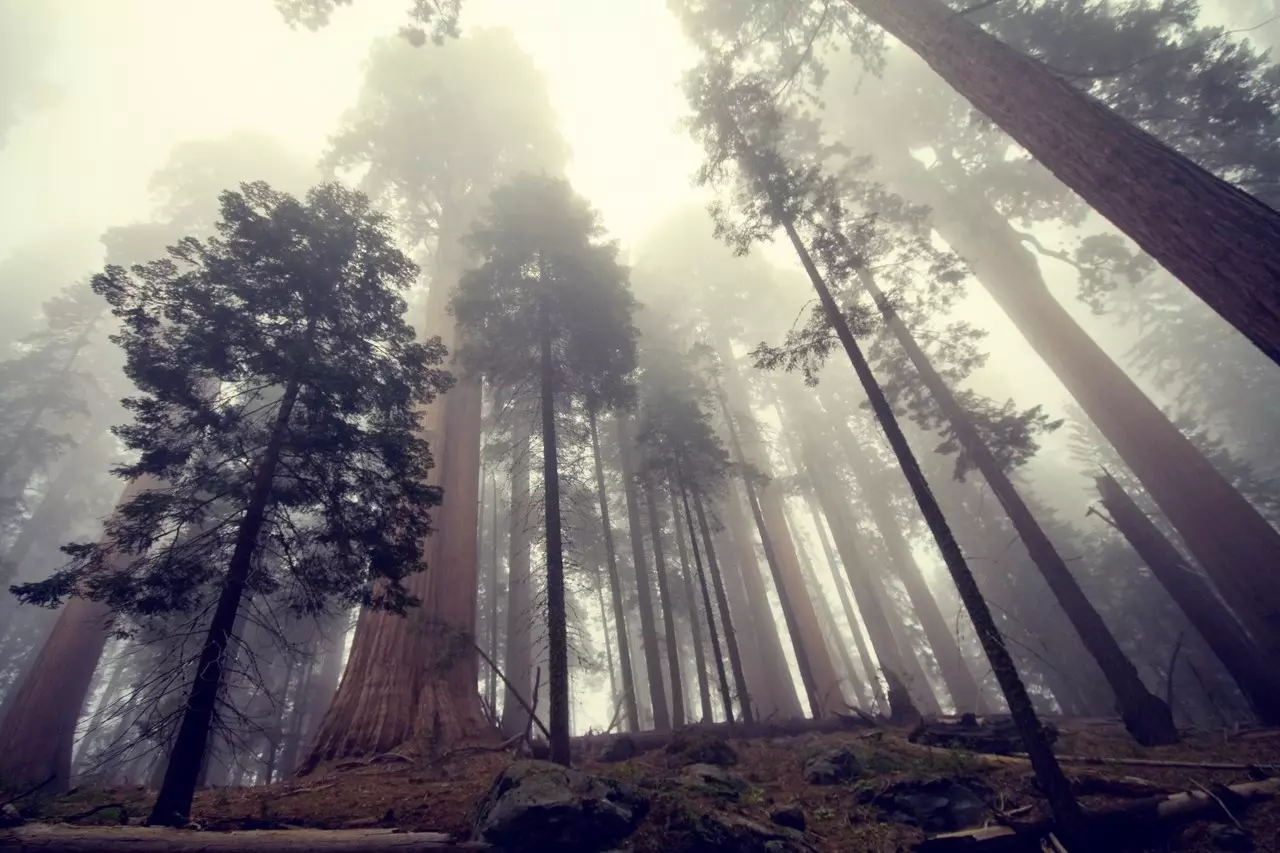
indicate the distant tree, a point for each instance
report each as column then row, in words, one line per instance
column 437, row 17
column 549, row 309
column 276, row 421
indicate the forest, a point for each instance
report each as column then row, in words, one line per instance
column 772, row 425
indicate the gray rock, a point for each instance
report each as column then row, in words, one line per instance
column 791, row 816
column 619, row 749
column 9, row 816
column 714, row 780
column 832, row 766
column 938, row 805
column 698, row 748
column 1226, row 837
column 536, row 806
column 726, row 833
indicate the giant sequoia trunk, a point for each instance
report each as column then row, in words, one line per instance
column 615, row 583
column 1217, row 239
column 1258, row 680
column 1223, row 531
column 664, row 602
column 413, row 680
column 1146, row 717
column 644, row 592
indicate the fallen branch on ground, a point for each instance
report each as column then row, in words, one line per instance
column 52, row 838
column 514, row 692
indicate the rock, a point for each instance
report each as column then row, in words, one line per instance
column 831, row 766
column 791, row 816
column 938, row 805
column 716, row 781
column 9, row 817
column 725, row 833
column 692, row 748
column 1225, row 837
column 997, row 735
column 619, row 749
column 535, row 805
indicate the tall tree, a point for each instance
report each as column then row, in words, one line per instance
column 548, row 308
column 300, row 297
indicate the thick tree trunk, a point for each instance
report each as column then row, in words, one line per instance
column 664, row 602
column 557, row 622
column 173, row 801
column 773, row 692
column 1224, row 532
column 413, row 680
column 1053, row 782
column 1259, row 681
column 518, row 661
column 695, row 626
column 644, row 592
column 615, row 583
column 725, row 694
column 1214, row 237
column 1146, row 717
column 726, row 613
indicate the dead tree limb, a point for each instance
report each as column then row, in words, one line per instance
column 54, row 838
column 516, row 693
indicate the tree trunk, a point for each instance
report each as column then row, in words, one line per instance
column 1053, row 782
column 695, row 627
column 664, row 601
column 1224, row 532
column 726, row 614
column 644, row 592
column 615, row 583
column 491, row 679
column 1213, row 236
column 1256, row 679
column 1146, row 717
column 557, row 623
column 725, row 695
column 770, row 498
column 173, row 801
column 93, row 731
column 961, row 684
column 518, row 661
column 608, row 644
column 774, row 692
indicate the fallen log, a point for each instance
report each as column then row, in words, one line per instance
column 1110, row 828
column 60, row 838
column 1135, row 762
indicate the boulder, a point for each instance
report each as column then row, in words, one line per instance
column 831, row 766
column 726, row 833
column 695, row 748
column 791, row 816
column 936, row 805
column 535, row 806
column 713, row 780
column 619, row 749
column 9, row 816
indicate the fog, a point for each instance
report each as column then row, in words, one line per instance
column 758, row 520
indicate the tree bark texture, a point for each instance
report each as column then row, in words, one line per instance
column 1217, row 239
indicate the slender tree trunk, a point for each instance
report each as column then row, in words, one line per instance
column 664, row 601
column 1259, row 681
column 1224, row 532
column 615, row 582
column 961, row 684
column 695, row 628
column 644, row 592
column 93, row 732
column 725, row 695
column 1213, row 236
column 173, row 802
column 518, row 661
column 491, row 680
column 726, row 613
column 812, row 690
column 557, row 623
column 1146, row 717
column 298, row 717
column 608, row 644
column 1048, row 772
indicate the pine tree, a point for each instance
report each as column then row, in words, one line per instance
column 548, row 309
column 277, row 375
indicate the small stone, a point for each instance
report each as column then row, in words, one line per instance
column 619, row 749
column 1225, row 837
column 832, row 766
column 791, row 816
column 9, row 816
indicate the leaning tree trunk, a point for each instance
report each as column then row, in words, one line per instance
column 1224, row 532
column 726, row 615
column 1217, row 239
column 173, row 802
column 1259, row 681
column 557, row 624
column 664, row 602
column 413, row 680
column 1053, row 782
column 725, row 694
column 695, row 626
column 1146, row 717
column 644, row 592
column 518, row 661
column 615, row 583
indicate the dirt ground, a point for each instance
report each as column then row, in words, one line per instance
column 439, row 794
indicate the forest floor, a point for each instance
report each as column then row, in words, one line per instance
column 898, row 794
